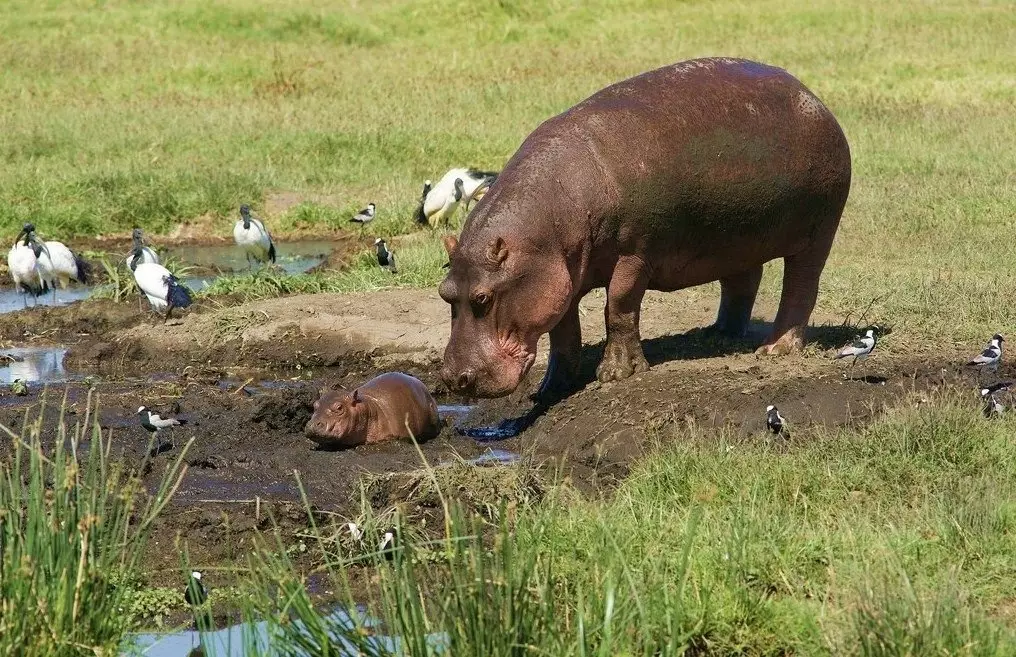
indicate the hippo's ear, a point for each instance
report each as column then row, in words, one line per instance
column 356, row 397
column 451, row 243
column 497, row 251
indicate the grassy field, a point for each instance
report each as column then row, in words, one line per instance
column 894, row 540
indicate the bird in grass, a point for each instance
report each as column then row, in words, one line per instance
column 251, row 235
column 991, row 357
column 421, row 216
column 59, row 265
column 992, row 407
column 153, row 423
column 385, row 257
column 389, row 541
column 443, row 212
column 860, row 348
column 364, row 216
column 197, row 596
column 161, row 287
column 776, row 423
column 467, row 184
column 354, row 531
column 23, row 265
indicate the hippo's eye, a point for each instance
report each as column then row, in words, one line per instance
column 480, row 301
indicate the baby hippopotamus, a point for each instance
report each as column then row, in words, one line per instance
column 376, row 411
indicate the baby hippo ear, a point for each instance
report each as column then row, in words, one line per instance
column 356, row 397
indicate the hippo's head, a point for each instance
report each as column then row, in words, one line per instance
column 505, row 292
column 337, row 419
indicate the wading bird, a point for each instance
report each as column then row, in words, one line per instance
column 139, row 252
column 162, row 288
column 443, row 212
column 992, row 407
column 385, row 257
column 364, row 216
column 859, row 349
column 775, row 422
column 154, row 424
column 59, row 265
column 196, row 596
column 991, row 357
column 23, row 265
column 252, row 236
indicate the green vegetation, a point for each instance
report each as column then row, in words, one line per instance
column 73, row 529
column 893, row 540
column 130, row 113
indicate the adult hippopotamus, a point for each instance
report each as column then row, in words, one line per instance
column 691, row 173
column 388, row 407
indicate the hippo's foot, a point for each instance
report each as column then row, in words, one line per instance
column 789, row 342
column 620, row 361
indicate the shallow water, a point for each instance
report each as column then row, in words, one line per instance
column 35, row 365
column 292, row 257
column 231, row 641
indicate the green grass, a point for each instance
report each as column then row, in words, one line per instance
column 131, row 113
column 73, row 529
column 895, row 540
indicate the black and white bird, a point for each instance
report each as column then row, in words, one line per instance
column 440, row 203
column 388, row 543
column 195, row 593
column 860, row 348
column 354, row 531
column 991, row 357
column 59, row 265
column 776, row 423
column 421, row 216
column 161, row 287
column 23, row 265
column 139, row 252
column 153, row 423
column 364, row 216
column 385, row 256
column 251, row 235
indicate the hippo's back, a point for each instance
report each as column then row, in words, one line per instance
column 401, row 397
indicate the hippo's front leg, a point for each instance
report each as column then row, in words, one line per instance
column 565, row 356
column 623, row 355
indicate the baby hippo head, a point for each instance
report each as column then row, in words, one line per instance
column 336, row 421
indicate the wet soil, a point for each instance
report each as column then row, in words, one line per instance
column 245, row 377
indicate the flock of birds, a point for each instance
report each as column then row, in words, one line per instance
column 39, row 266
column 989, row 359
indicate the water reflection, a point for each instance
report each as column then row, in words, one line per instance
column 34, row 364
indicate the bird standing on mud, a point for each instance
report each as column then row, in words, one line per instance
column 385, row 257
column 252, row 236
column 991, row 357
column 860, row 349
column 992, row 407
column 776, row 423
column 364, row 216
column 23, row 265
column 153, row 424
column 161, row 287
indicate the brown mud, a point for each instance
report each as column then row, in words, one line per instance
column 245, row 377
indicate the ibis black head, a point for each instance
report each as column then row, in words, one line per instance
column 136, row 234
column 245, row 211
column 459, row 190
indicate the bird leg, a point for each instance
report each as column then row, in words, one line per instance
column 169, row 311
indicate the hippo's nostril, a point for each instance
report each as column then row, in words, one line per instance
column 466, row 380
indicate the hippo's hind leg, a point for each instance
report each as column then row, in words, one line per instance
column 737, row 298
column 801, row 274
column 623, row 354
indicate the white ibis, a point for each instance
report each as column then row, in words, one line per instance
column 252, row 236
column 139, row 252
column 59, row 265
column 162, row 288
column 440, row 202
column 23, row 265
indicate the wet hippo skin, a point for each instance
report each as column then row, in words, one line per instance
column 691, row 173
column 388, row 407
